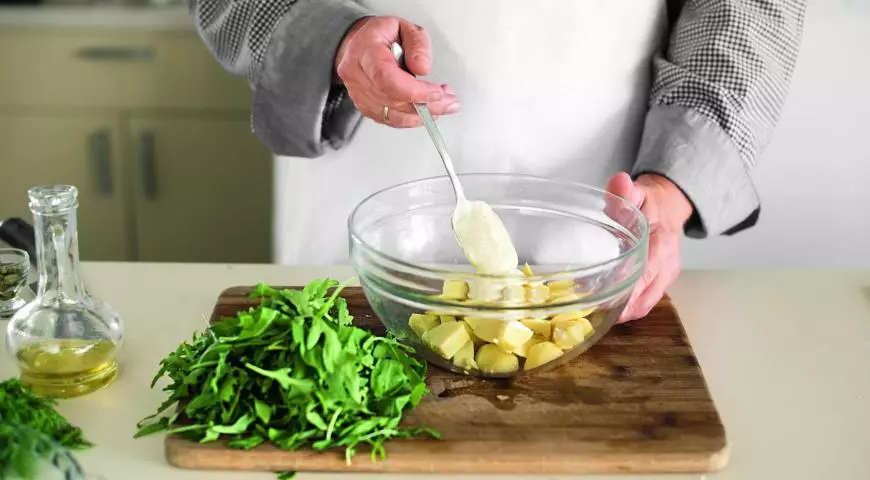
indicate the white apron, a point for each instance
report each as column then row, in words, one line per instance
column 553, row 88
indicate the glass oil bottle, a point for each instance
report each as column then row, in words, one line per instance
column 65, row 340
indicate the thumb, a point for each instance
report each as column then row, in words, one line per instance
column 418, row 47
column 621, row 185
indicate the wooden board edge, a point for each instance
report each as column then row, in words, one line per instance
column 187, row 455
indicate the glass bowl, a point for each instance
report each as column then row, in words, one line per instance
column 581, row 251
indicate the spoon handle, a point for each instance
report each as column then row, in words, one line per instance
column 432, row 128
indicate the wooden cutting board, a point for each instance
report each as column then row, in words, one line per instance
column 635, row 402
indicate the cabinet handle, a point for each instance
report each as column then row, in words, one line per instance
column 101, row 156
column 147, row 167
column 116, row 53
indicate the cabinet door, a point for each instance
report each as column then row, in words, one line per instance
column 203, row 190
column 78, row 150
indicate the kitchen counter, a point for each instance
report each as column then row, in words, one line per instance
column 171, row 17
column 786, row 355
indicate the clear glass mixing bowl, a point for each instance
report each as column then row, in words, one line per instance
column 585, row 249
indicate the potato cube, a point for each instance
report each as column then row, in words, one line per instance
column 564, row 317
column 560, row 288
column 507, row 334
column 527, row 271
column 492, row 359
column 446, row 339
column 464, row 358
column 515, row 294
column 541, row 326
column 423, row 323
column 477, row 341
column 523, row 349
column 485, row 290
column 569, row 330
column 454, row 290
column 540, row 354
column 572, row 297
column 537, row 293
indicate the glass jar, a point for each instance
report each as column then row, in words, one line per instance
column 65, row 340
column 14, row 268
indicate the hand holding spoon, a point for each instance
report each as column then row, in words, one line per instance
column 478, row 229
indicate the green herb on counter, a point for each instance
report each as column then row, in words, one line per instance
column 31, row 431
column 293, row 372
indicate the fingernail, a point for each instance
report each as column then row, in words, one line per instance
column 453, row 107
column 420, row 58
column 435, row 96
column 447, row 89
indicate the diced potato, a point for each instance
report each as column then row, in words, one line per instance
column 487, row 329
column 527, row 271
column 472, row 321
column 537, row 293
column 514, row 335
column 443, row 316
column 446, row 339
column 454, row 290
column 485, row 289
column 572, row 297
column 564, row 298
column 564, row 317
column 423, row 323
column 540, row 354
column 492, row 359
column 477, row 341
column 541, row 326
column 560, row 288
column 467, row 328
column 507, row 334
column 447, row 318
column 464, row 358
column 523, row 349
column 514, row 294
column 569, row 330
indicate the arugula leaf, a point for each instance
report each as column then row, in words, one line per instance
column 264, row 411
column 292, row 372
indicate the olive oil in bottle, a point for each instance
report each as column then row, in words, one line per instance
column 67, row 367
column 65, row 340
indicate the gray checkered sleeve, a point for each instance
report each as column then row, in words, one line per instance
column 718, row 91
column 286, row 49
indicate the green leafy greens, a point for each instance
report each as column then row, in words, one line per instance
column 293, row 372
column 31, row 430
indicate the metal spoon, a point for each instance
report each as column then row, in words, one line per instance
column 477, row 228
column 434, row 133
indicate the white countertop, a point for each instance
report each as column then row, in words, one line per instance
column 786, row 355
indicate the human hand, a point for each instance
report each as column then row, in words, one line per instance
column 374, row 80
column 667, row 209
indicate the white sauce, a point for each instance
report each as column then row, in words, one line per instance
column 484, row 239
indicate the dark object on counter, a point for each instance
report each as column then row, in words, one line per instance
column 19, row 234
column 4, row 3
